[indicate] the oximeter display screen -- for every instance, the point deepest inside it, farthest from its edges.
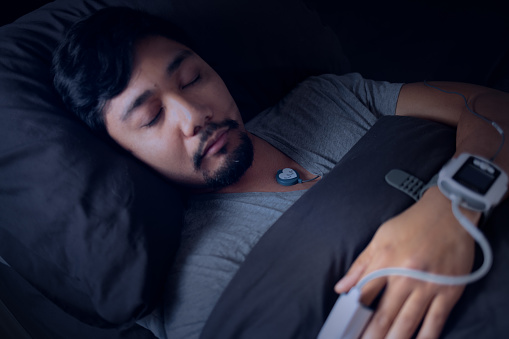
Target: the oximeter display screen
(476, 175)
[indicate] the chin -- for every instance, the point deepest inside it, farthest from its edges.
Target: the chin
(234, 166)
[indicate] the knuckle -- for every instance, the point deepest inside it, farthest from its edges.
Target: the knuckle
(416, 263)
(381, 320)
(426, 336)
(438, 317)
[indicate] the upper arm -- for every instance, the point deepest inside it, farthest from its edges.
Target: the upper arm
(419, 100)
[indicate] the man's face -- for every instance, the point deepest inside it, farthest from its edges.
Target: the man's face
(177, 115)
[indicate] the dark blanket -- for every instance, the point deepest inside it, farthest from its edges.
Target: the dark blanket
(285, 287)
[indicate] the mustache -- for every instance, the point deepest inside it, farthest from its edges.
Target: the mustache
(205, 135)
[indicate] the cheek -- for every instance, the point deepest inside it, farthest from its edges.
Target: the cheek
(223, 92)
(219, 93)
(161, 153)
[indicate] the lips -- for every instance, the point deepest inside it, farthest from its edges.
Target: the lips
(213, 138)
(216, 142)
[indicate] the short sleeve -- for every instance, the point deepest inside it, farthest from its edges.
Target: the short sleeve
(379, 97)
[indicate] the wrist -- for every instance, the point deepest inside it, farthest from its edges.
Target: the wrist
(475, 182)
(434, 196)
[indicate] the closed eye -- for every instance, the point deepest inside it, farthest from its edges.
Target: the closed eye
(155, 119)
(194, 81)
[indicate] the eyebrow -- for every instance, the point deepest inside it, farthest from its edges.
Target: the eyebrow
(173, 66)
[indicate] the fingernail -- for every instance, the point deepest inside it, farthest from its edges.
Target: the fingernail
(341, 285)
(346, 283)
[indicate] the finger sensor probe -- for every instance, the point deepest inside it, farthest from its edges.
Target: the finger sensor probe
(348, 317)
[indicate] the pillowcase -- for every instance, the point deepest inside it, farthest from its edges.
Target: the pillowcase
(91, 228)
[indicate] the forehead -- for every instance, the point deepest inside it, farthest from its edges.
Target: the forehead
(153, 48)
(153, 56)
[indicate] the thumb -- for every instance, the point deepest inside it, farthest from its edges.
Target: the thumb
(353, 275)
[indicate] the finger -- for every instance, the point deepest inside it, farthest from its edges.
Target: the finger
(390, 304)
(350, 279)
(372, 290)
(438, 312)
(353, 275)
(411, 314)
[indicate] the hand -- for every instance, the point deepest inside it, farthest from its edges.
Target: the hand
(425, 237)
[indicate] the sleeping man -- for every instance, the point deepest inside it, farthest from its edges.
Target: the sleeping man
(134, 78)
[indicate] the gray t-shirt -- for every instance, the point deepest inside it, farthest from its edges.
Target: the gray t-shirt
(315, 125)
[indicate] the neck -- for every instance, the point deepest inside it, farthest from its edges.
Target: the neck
(261, 176)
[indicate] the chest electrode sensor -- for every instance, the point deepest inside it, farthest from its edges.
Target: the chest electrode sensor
(290, 177)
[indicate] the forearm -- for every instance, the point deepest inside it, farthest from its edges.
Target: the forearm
(427, 236)
(477, 136)
(474, 135)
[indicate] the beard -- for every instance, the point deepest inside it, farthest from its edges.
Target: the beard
(236, 163)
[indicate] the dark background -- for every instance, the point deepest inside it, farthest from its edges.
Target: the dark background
(11, 10)
(468, 33)
(452, 40)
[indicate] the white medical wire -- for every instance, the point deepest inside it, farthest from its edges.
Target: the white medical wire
(464, 221)
(491, 122)
(438, 278)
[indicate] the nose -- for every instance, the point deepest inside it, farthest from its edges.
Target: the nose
(189, 116)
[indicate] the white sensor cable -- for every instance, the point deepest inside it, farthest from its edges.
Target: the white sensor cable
(438, 278)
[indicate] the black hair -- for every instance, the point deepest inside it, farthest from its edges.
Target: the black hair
(94, 61)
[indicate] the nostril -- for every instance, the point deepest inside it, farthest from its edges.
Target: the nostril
(196, 130)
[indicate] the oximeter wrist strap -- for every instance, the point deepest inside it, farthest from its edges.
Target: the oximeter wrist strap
(409, 184)
(432, 182)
